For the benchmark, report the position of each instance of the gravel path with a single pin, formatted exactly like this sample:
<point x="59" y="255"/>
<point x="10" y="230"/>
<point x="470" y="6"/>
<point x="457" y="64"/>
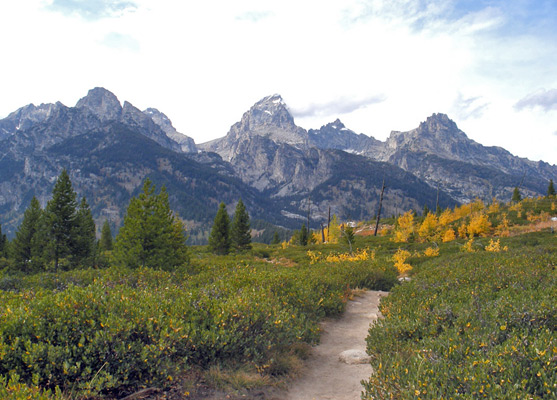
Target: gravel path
<point x="326" y="376"/>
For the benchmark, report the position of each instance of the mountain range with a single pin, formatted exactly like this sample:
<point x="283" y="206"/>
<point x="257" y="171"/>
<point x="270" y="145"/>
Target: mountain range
<point x="280" y="170"/>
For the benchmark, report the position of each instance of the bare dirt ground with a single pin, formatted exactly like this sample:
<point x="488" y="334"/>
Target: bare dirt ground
<point x="325" y="376"/>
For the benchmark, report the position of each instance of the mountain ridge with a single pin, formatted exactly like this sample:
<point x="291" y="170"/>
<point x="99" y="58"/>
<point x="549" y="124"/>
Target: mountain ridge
<point x="279" y="169"/>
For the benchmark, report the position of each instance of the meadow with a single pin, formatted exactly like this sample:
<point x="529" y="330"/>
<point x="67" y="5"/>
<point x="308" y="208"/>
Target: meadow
<point x="476" y="319"/>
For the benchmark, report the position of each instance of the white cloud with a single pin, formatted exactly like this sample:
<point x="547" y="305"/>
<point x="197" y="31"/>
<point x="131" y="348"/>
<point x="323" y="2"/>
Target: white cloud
<point x="470" y="107"/>
<point x="92" y="9"/>
<point x="545" y="99"/>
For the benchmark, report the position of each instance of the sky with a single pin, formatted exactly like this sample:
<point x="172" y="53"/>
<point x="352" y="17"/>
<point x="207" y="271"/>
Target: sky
<point x="377" y="65"/>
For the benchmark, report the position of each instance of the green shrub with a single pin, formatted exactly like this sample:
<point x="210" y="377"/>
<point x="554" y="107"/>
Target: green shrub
<point x="111" y="331"/>
<point x="470" y="326"/>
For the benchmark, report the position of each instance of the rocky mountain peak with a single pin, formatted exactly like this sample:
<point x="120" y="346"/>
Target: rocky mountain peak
<point x="159" y="118"/>
<point x="101" y="102"/>
<point x="186" y="143"/>
<point x="438" y="123"/>
<point x="270" y="110"/>
<point x="336" y="125"/>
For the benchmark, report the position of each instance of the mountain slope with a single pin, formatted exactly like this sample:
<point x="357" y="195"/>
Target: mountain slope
<point x="440" y="153"/>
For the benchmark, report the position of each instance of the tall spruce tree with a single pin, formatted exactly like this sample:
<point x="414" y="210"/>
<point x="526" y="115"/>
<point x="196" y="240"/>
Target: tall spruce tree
<point x="3" y="244"/>
<point x="152" y="236"/>
<point x="276" y="238"/>
<point x="219" y="239"/>
<point x="240" y="233"/>
<point x="550" y="189"/>
<point x="61" y="219"/>
<point x="85" y="241"/>
<point x="516" y="196"/>
<point x="27" y="245"/>
<point x="105" y="243"/>
<point x="304" y="235"/>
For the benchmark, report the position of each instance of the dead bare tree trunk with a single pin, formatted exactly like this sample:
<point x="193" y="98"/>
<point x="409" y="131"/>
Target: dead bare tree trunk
<point x="380" y="206"/>
<point x="309" y="209"/>
<point x="329" y="224"/>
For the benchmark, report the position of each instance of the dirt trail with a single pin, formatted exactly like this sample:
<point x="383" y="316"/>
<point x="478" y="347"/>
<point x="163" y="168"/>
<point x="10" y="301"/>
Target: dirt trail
<point x="325" y="376"/>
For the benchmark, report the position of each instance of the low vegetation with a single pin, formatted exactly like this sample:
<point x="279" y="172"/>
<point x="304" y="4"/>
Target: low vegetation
<point x="476" y="316"/>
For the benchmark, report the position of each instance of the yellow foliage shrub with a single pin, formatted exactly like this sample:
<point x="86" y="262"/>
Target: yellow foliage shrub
<point x="479" y="225"/>
<point x="428" y="228"/>
<point x="447" y="217"/>
<point x="495" y="246"/>
<point x="494" y="206"/>
<point x="503" y="227"/>
<point x="431" y="252"/>
<point x="405" y="227"/>
<point x="399" y="259"/>
<point x="449" y="235"/>
<point x="467" y="247"/>
<point x="359" y="255"/>
<point x="462" y="231"/>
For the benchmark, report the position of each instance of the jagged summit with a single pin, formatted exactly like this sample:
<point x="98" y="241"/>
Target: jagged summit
<point x="438" y="134"/>
<point x="25" y="117"/>
<point x="101" y="102"/>
<point x="186" y="143"/>
<point x="268" y="118"/>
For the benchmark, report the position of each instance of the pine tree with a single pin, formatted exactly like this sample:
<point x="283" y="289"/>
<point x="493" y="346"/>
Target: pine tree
<point x="276" y="238"/>
<point x="61" y="219"/>
<point x="516" y="196"/>
<point x="26" y="248"/>
<point x="151" y="236"/>
<point x="426" y="210"/>
<point x="3" y="244"/>
<point x="348" y="236"/>
<point x="550" y="189"/>
<point x="240" y="233"/>
<point x="304" y="235"/>
<point x="105" y="243"/>
<point x="219" y="239"/>
<point x="84" y="236"/>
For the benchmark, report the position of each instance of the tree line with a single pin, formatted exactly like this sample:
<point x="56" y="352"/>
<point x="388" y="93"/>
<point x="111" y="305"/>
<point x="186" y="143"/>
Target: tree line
<point x="63" y="235"/>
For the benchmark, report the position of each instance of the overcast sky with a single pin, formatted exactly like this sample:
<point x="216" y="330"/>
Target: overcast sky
<point x="378" y="65"/>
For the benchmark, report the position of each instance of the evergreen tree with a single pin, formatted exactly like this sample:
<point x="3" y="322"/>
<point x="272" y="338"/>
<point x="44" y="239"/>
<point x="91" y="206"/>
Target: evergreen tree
<point x="348" y="236"/>
<point x="105" y="243"/>
<point x="84" y="236"/>
<point x="151" y="236"/>
<point x="550" y="189"/>
<point x="240" y="233"/>
<point x="61" y="219"/>
<point x="219" y="239"/>
<point x="516" y="195"/>
<point x="27" y="248"/>
<point x="426" y="210"/>
<point x="3" y="244"/>
<point x="304" y="235"/>
<point x="276" y="238"/>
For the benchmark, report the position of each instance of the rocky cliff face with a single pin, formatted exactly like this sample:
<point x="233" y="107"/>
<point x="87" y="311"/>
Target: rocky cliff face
<point x="268" y="118"/>
<point x="335" y="135"/>
<point x="187" y="144"/>
<point x="440" y="153"/>
<point x="268" y="151"/>
<point x="57" y="122"/>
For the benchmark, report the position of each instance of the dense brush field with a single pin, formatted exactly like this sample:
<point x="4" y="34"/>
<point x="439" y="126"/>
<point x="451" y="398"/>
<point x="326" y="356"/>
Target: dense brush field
<point x="478" y="317"/>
